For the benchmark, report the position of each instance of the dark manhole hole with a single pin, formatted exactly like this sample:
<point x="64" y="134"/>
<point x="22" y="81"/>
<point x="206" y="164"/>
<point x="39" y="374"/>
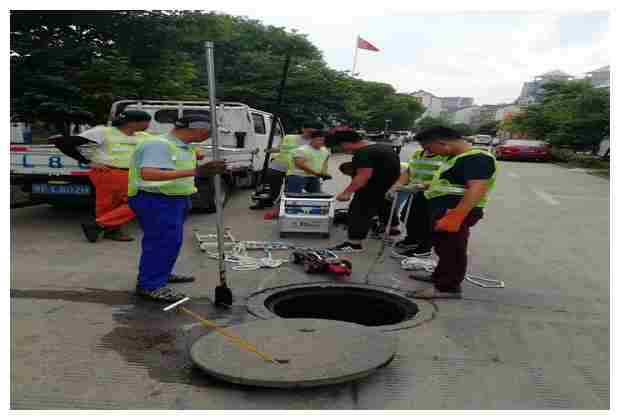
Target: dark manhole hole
<point x="364" y="306"/>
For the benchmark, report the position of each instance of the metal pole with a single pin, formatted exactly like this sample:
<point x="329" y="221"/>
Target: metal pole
<point x="276" y="117"/>
<point x="216" y="156"/>
<point x="357" y="40"/>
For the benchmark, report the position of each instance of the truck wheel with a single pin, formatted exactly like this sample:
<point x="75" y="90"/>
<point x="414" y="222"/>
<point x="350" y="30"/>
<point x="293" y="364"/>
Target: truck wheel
<point x="203" y="201"/>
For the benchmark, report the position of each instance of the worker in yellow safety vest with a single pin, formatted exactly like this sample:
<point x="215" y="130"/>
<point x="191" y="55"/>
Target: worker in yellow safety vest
<point x="282" y="162"/>
<point x="161" y="180"/>
<point x="457" y="195"/>
<point x="423" y="164"/>
<point x="309" y="166"/>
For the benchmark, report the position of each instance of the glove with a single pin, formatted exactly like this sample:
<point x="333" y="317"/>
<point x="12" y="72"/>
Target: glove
<point x="451" y="221"/>
<point x="390" y="195"/>
<point x="326" y="177"/>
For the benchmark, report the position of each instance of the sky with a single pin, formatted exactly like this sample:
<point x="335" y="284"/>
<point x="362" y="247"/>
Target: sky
<point x="484" y="55"/>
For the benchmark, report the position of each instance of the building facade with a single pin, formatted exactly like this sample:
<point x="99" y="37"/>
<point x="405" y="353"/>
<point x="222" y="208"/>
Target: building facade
<point x="431" y="102"/>
<point x="532" y="92"/>
<point x="599" y="77"/>
<point x="469" y="115"/>
<point x="452" y="104"/>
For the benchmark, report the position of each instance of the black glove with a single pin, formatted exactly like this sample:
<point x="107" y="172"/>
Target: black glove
<point x="326" y="177"/>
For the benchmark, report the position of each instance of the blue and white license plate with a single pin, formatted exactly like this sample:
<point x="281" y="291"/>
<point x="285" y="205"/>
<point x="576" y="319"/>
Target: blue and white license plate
<point x="61" y="189"/>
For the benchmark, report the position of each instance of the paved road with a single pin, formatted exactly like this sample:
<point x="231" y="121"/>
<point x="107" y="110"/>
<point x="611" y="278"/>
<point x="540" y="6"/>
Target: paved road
<point x="79" y="339"/>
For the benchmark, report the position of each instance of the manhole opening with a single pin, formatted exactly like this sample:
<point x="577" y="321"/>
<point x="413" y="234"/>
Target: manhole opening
<point x="367" y="307"/>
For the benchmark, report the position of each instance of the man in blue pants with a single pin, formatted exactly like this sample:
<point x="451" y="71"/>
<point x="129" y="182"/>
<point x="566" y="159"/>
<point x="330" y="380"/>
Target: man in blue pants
<point x="161" y="181"/>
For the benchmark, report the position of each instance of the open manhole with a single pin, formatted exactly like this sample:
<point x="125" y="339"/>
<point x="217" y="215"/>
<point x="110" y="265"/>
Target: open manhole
<point x="371" y="306"/>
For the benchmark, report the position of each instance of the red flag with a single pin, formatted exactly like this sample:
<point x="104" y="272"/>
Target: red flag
<point x="365" y="45"/>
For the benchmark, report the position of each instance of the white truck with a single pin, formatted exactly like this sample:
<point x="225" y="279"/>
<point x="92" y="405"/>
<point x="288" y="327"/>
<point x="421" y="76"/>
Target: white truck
<point x="49" y="176"/>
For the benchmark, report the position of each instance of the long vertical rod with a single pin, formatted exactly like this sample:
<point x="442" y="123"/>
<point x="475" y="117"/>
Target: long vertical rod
<point x="357" y="39"/>
<point x="216" y="156"/>
<point x="276" y="118"/>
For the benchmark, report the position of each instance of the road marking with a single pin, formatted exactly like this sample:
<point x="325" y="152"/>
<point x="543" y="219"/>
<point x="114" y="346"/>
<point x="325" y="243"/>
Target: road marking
<point x="545" y="197"/>
<point x="585" y="170"/>
<point x="512" y="175"/>
<point x="578" y="197"/>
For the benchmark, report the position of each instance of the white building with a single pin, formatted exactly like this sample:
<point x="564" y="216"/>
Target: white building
<point x="599" y="77"/>
<point x="469" y="115"/>
<point x="431" y="102"/>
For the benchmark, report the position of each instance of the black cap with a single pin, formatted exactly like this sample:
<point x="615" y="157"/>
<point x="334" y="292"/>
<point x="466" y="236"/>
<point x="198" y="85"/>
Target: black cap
<point x="437" y="133"/>
<point x="193" y="121"/>
<point x="132" y="115"/>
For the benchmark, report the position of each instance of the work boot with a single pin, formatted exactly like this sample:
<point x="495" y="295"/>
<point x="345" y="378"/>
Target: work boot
<point x="117" y="235"/>
<point x="92" y="231"/>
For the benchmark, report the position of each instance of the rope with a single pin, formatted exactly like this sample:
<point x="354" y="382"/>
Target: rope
<point x="243" y="262"/>
<point x="428" y="265"/>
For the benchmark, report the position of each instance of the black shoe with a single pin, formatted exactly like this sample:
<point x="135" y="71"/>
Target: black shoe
<point x="162" y="294"/>
<point x="406" y="244"/>
<point x="418" y="252"/>
<point x="422" y="276"/>
<point x="92" y="231"/>
<point x="347" y="247"/>
<point x="177" y="278"/>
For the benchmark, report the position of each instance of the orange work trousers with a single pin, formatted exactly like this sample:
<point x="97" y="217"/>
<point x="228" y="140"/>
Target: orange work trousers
<point x="111" y="208"/>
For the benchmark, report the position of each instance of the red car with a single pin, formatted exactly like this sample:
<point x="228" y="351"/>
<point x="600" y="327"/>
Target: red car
<point x="524" y="150"/>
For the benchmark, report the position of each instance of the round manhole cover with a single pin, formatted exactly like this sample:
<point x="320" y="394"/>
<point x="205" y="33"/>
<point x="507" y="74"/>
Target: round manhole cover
<point x="314" y="352"/>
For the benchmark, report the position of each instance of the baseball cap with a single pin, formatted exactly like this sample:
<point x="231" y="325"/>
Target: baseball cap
<point x="132" y="115"/>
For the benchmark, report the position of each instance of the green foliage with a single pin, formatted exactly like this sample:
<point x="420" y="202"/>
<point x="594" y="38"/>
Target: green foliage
<point x="572" y="113"/>
<point x="71" y="65"/>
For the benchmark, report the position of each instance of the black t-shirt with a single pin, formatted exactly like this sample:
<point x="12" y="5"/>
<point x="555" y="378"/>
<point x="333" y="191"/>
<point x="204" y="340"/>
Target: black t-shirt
<point x="385" y="166"/>
<point x="465" y="169"/>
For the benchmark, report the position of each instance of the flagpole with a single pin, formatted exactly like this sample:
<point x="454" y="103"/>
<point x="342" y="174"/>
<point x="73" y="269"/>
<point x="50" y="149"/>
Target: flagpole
<point x="355" y="56"/>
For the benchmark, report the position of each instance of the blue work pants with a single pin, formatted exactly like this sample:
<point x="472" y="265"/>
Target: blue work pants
<point x="161" y="219"/>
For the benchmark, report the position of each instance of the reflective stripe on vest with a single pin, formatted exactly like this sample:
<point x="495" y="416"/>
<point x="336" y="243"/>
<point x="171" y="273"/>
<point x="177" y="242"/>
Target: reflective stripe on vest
<point x="117" y="148"/>
<point x="314" y="159"/>
<point x="422" y="168"/>
<point x="183" y="160"/>
<point x="440" y="187"/>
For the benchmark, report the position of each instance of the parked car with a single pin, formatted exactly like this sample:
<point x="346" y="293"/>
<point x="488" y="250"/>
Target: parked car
<point x="483" y="139"/>
<point x="524" y="150"/>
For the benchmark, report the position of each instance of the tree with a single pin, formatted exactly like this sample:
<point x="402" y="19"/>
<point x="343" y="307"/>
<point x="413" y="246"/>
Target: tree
<point x="572" y="114"/>
<point x="69" y="65"/>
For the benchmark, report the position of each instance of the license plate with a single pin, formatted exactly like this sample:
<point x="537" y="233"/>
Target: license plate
<point x="61" y="189"/>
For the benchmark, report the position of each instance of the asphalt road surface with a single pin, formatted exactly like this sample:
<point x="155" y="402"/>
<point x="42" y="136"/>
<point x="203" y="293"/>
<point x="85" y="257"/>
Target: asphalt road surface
<point x="81" y="340"/>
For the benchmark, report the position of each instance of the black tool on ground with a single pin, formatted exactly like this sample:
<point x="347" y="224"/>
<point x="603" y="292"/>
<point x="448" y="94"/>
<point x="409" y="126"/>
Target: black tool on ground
<point x="223" y="295"/>
<point x="262" y="195"/>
